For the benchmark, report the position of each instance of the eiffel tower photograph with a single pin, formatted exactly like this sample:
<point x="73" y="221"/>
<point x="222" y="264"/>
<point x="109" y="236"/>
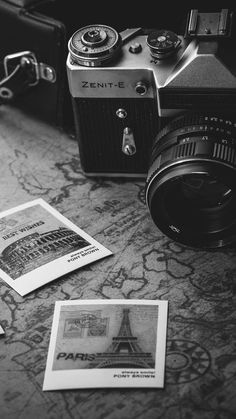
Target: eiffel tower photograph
<point x="125" y="350"/>
<point x="107" y="343"/>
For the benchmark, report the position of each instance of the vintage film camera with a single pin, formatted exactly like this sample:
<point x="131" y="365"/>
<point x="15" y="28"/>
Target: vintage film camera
<point x="157" y="104"/>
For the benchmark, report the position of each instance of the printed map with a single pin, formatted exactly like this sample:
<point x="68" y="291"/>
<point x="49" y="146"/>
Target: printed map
<point x="38" y="160"/>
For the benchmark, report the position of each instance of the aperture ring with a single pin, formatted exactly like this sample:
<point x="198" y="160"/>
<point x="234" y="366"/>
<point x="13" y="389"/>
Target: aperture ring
<point x="190" y="120"/>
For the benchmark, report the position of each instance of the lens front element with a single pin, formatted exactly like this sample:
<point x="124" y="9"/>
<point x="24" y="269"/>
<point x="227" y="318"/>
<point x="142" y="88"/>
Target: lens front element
<point x="205" y="192"/>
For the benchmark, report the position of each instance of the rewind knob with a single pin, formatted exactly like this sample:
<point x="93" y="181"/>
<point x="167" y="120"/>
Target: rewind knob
<point x="162" y="43"/>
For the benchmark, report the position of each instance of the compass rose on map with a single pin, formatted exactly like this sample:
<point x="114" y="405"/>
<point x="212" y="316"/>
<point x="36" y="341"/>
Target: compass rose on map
<point x="185" y="361"/>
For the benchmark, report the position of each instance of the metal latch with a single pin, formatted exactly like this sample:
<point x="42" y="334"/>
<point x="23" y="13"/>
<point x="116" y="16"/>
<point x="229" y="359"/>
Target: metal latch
<point x="24" y="58"/>
<point x="128" y="143"/>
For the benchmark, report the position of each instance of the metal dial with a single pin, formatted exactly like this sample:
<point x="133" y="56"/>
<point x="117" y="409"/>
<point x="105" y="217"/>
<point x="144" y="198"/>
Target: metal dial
<point x="94" y="44"/>
<point x="162" y="43"/>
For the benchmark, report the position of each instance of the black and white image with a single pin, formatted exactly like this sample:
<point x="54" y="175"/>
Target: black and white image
<point x="124" y="123"/>
<point x="38" y="244"/>
<point x="107" y="343"/>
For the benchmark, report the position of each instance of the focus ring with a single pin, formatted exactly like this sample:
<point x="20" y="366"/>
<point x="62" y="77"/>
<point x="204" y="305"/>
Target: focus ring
<point x="199" y="149"/>
<point x="184" y="150"/>
<point x="195" y="149"/>
<point x="225" y="153"/>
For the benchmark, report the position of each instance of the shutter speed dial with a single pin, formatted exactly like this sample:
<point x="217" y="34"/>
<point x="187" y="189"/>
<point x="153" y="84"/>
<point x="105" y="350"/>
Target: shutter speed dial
<point x="94" y="45"/>
<point x="162" y="43"/>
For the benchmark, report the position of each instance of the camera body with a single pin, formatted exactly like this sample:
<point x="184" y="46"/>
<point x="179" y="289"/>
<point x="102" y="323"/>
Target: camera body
<point x="159" y="104"/>
<point x="127" y="97"/>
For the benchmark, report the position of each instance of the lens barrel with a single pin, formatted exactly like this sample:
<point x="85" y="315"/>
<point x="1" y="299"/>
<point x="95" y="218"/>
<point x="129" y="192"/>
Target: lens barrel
<point x="191" y="183"/>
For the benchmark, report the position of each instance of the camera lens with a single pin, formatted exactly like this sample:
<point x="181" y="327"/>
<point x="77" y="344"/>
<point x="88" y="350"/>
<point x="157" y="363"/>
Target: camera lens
<point x="191" y="184"/>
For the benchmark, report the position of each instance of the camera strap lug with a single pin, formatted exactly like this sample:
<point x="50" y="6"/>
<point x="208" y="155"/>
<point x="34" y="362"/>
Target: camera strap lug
<point x="21" y="71"/>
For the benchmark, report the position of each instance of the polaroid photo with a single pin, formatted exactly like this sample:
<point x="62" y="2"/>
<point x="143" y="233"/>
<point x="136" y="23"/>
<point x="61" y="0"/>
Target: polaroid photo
<point x="2" y="332"/>
<point x="38" y="245"/>
<point x="107" y="343"/>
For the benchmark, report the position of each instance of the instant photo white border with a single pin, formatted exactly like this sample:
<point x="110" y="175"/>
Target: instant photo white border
<point x="114" y="377"/>
<point x="58" y="267"/>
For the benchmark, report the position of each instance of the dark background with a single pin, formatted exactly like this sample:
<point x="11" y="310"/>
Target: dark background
<point x="120" y="14"/>
<point x="125" y="14"/>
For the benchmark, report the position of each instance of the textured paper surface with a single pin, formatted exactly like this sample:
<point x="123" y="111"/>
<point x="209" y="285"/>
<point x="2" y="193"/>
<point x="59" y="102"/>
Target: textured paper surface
<point x="38" y="245"/>
<point x="107" y="343"/>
